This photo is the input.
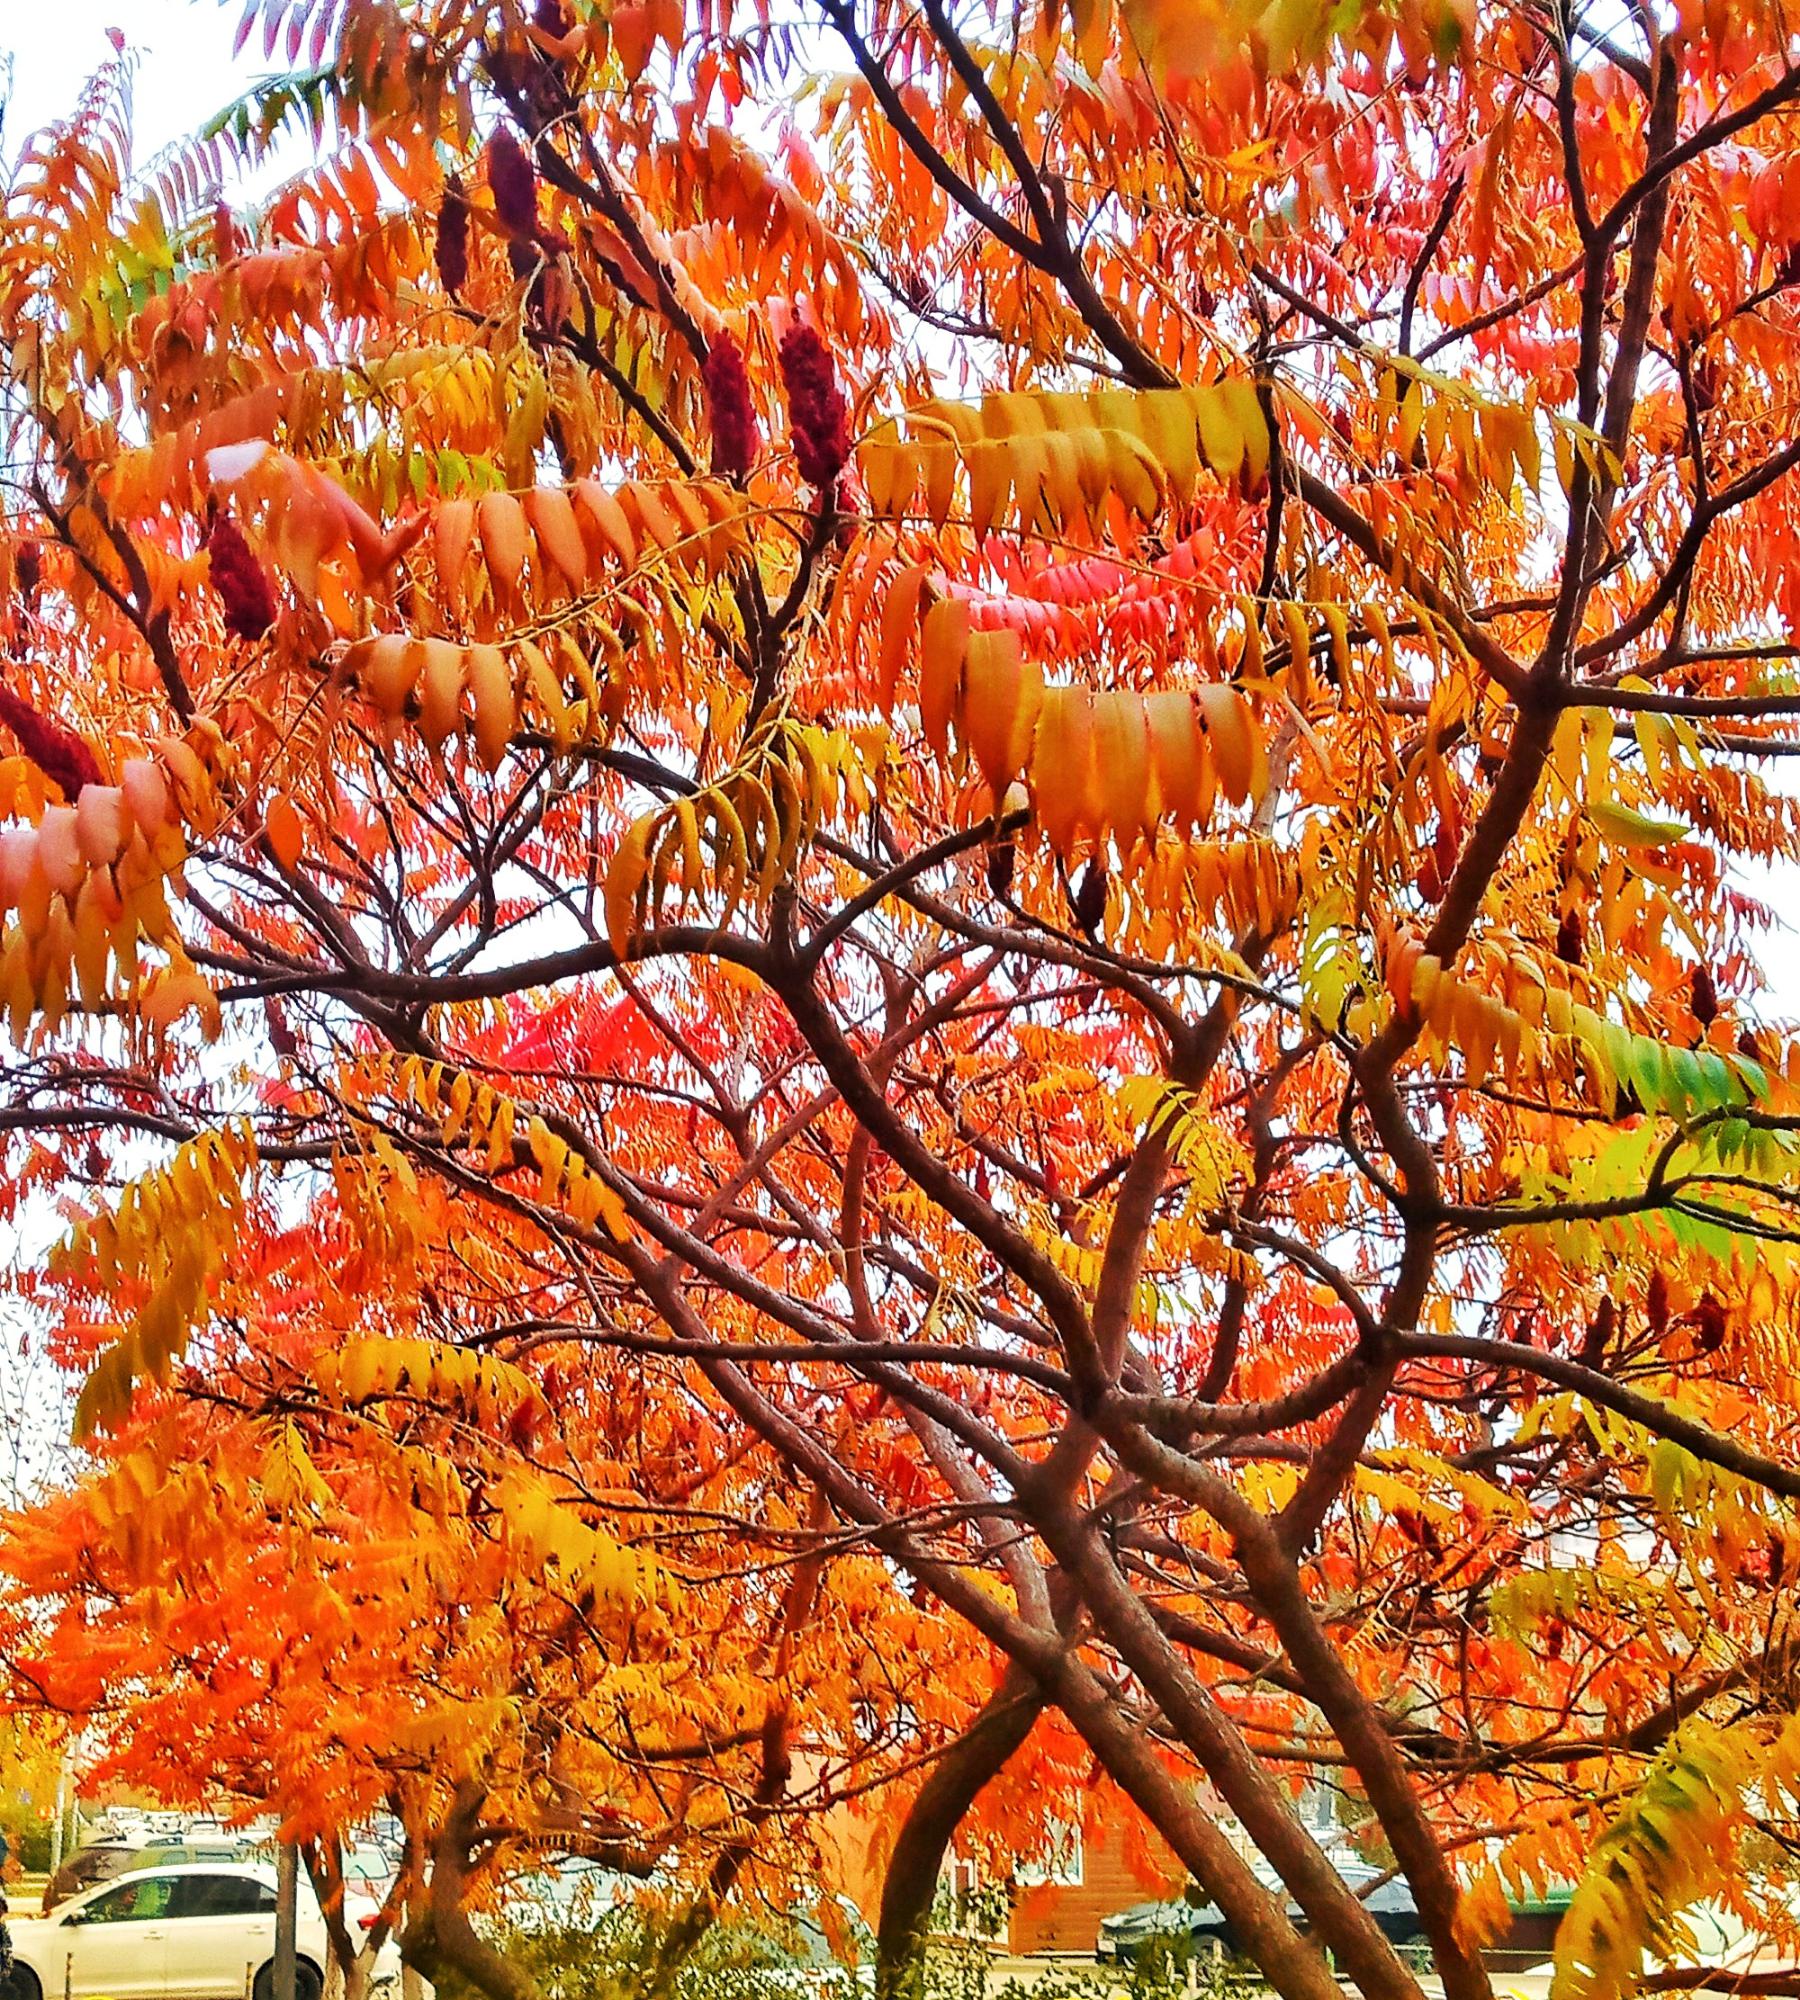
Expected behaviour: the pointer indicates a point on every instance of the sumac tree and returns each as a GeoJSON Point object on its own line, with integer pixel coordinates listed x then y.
{"type": "Point", "coordinates": [986, 772]}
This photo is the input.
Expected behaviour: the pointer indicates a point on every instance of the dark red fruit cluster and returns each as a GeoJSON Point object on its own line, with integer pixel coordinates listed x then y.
{"type": "Point", "coordinates": [734, 433]}
{"type": "Point", "coordinates": [58, 752]}
{"type": "Point", "coordinates": [513, 180]}
{"type": "Point", "coordinates": [1571, 938]}
{"type": "Point", "coordinates": [452, 247]}
{"type": "Point", "coordinates": [239, 579]}
{"type": "Point", "coordinates": [821, 423]}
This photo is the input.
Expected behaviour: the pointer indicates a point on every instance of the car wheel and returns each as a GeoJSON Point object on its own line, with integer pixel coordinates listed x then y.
{"type": "Point", "coordinates": [21, 1983]}
{"type": "Point", "coordinates": [309, 1982]}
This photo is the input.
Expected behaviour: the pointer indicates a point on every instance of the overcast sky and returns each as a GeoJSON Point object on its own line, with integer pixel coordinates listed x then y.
{"type": "Point", "coordinates": [186, 72]}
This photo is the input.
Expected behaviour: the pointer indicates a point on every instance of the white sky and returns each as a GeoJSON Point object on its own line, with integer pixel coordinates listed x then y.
{"type": "Point", "coordinates": [186, 71]}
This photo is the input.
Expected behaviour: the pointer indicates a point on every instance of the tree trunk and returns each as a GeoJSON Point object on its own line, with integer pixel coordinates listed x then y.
{"type": "Point", "coordinates": [348, 1981]}
{"type": "Point", "coordinates": [1338, 1918]}
{"type": "Point", "coordinates": [439, 1940]}
{"type": "Point", "coordinates": [325, 1870]}
{"type": "Point", "coordinates": [956, 1781]}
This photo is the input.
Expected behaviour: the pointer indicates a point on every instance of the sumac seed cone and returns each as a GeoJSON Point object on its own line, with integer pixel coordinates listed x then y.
{"type": "Point", "coordinates": [452, 247]}
{"type": "Point", "coordinates": [239, 579]}
{"type": "Point", "coordinates": [1704, 997]}
{"type": "Point", "coordinates": [816, 410]}
{"type": "Point", "coordinates": [28, 570]}
{"type": "Point", "coordinates": [728, 408]}
{"type": "Point", "coordinates": [59, 753]}
{"type": "Point", "coordinates": [513, 181]}
{"type": "Point", "coordinates": [1090, 899]}
{"type": "Point", "coordinates": [1570, 938]}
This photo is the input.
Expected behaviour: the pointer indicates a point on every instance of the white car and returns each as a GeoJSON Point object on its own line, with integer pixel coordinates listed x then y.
{"type": "Point", "coordinates": [189, 1933]}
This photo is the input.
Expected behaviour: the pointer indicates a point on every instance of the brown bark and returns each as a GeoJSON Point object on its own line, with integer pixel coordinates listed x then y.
{"type": "Point", "coordinates": [1339, 1919]}
{"type": "Point", "coordinates": [943, 1802]}
{"type": "Point", "coordinates": [1279, 1593]}
{"type": "Point", "coordinates": [686, 1931]}
{"type": "Point", "coordinates": [1293, 1965]}
{"type": "Point", "coordinates": [439, 1940]}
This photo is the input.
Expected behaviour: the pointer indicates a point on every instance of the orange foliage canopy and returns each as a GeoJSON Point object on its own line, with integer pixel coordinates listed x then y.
{"type": "Point", "coordinates": [878, 872]}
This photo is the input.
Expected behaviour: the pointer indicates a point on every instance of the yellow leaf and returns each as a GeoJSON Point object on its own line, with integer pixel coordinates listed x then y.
{"type": "Point", "coordinates": [624, 877]}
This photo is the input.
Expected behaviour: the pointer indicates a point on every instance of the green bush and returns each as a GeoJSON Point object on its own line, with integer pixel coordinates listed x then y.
{"type": "Point", "coordinates": [734, 1961]}
{"type": "Point", "coordinates": [739, 1961]}
{"type": "Point", "coordinates": [1159, 1972]}
{"type": "Point", "coordinates": [28, 1837]}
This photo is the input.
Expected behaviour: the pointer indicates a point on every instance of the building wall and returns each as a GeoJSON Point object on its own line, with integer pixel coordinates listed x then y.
{"type": "Point", "coordinates": [1120, 1866]}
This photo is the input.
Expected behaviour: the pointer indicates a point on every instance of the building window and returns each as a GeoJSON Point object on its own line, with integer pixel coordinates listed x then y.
{"type": "Point", "coordinates": [1058, 1863]}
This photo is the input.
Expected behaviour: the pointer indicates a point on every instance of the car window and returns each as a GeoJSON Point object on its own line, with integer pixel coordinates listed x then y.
{"type": "Point", "coordinates": [136, 1902]}
{"type": "Point", "coordinates": [222, 1896]}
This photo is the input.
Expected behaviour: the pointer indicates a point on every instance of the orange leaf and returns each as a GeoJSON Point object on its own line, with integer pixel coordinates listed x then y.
{"type": "Point", "coordinates": [552, 517]}
{"type": "Point", "coordinates": [1179, 758]}
{"type": "Point", "coordinates": [1063, 780]}
{"type": "Point", "coordinates": [388, 669]}
{"type": "Point", "coordinates": [1002, 693]}
{"type": "Point", "coordinates": [1236, 743]}
{"type": "Point", "coordinates": [899, 621]}
{"type": "Point", "coordinates": [490, 684]}
{"type": "Point", "coordinates": [451, 533]}
{"type": "Point", "coordinates": [283, 830]}
{"type": "Point", "coordinates": [613, 533]}
{"type": "Point", "coordinates": [503, 542]}
{"type": "Point", "coordinates": [1122, 764]}
{"type": "Point", "coordinates": [944, 646]}
{"type": "Point", "coordinates": [649, 511]}
{"type": "Point", "coordinates": [443, 669]}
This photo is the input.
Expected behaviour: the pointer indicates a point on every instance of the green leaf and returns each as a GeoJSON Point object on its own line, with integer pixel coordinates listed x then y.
{"type": "Point", "coordinates": [1625, 826]}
